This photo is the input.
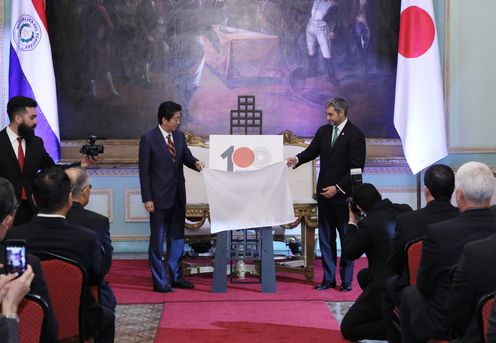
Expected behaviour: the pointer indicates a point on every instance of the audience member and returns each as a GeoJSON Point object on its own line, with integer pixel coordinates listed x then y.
{"type": "Point", "coordinates": [78, 215]}
{"type": "Point", "coordinates": [12, 291]}
{"type": "Point", "coordinates": [8, 204]}
{"type": "Point", "coordinates": [370, 235]}
{"type": "Point", "coordinates": [423, 314]}
{"type": "Point", "coordinates": [50, 231]}
{"type": "Point", "coordinates": [23, 154]}
{"type": "Point", "coordinates": [439, 183]}
{"type": "Point", "coordinates": [474, 276]}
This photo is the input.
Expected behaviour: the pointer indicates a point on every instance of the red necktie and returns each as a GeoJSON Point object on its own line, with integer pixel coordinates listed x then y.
{"type": "Point", "coordinates": [20, 157]}
{"type": "Point", "coordinates": [170, 145]}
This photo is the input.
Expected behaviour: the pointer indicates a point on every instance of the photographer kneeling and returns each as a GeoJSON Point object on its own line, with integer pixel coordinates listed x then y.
{"type": "Point", "coordinates": [372, 221]}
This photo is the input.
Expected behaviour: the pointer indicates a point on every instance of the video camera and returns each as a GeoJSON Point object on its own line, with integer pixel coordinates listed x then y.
{"type": "Point", "coordinates": [356, 179]}
{"type": "Point", "coordinates": [92, 149]}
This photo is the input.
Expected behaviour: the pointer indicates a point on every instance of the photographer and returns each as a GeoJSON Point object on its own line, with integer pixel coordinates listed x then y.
{"type": "Point", "coordinates": [370, 229]}
{"type": "Point", "coordinates": [23, 154]}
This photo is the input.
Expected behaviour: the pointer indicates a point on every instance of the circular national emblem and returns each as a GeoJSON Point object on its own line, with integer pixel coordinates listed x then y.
{"type": "Point", "coordinates": [27, 33]}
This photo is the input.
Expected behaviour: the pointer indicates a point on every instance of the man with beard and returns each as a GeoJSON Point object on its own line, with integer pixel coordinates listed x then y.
{"type": "Point", "coordinates": [23, 154]}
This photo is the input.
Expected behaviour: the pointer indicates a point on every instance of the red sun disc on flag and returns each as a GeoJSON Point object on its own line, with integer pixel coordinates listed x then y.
{"type": "Point", "coordinates": [417, 32]}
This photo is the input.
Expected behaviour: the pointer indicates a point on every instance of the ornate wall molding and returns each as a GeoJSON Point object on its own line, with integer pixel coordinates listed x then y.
{"type": "Point", "coordinates": [101, 201]}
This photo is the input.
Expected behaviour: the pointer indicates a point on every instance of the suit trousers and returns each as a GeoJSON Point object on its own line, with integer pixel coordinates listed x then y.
{"type": "Point", "coordinates": [169, 223]}
{"type": "Point", "coordinates": [332, 217]}
{"type": "Point", "coordinates": [419, 320]}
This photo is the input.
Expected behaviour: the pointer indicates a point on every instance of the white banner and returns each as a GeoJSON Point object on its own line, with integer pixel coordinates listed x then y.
{"type": "Point", "coordinates": [250, 199]}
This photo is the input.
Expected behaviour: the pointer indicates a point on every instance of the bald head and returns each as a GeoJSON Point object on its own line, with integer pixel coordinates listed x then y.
{"type": "Point", "coordinates": [79, 184]}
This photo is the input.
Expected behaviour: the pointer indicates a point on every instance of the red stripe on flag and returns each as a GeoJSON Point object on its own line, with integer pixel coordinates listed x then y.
{"type": "Point", "coordinates": [39, 6]}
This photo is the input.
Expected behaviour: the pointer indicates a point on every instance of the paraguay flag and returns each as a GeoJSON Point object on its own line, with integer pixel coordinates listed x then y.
{"type": "Point", "coordinates": [31, 68]}
{"type": "Point", "coordinates": [419, 106]}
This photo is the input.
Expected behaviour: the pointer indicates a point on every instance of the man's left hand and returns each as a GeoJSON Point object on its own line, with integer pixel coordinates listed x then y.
{"type": "Point", "coordinates": [329, 192]}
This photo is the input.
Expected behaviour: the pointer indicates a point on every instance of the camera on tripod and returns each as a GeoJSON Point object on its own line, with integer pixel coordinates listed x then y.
{"type": "Point", "coordinates": [92, 149]}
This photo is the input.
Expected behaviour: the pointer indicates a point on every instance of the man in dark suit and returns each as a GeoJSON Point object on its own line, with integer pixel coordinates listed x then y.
{"type": "Point", "coordinates": [473, 278]}
{"type": "Point", "coordinates": [78, 215]}
{"type": "Point", "coordinates": [370, 235]}
{"type": "Point", "coordinates": [162, 154]}
{"type": "Point", "coordinates": [423, 313]}
{"type": "Point", "coordinates": [23, 154]}
{"type": "Point", "coordinates": [341, 147]}
{"type": "Point", "coordinates": [50, 231]}
{"type": "Point", "coordinates": [8, 204]}
{"type": "Point", "coordinates": [439, 183]}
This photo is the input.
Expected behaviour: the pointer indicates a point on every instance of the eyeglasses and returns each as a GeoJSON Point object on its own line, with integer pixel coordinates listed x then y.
{"type": "Point", "coordinates": [89, 185]}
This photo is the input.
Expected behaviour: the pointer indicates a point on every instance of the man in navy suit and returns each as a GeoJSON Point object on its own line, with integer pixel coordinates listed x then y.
{"type": "Point", "coordinates": [341, 147]}
{"type": "Point", "coordinates": [162, 154]}
{"type": "Point", "coordinates": [18, 139]}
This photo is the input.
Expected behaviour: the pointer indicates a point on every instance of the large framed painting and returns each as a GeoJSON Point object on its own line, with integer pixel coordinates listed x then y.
{"type": "Point", "coordinates": [117, 60]}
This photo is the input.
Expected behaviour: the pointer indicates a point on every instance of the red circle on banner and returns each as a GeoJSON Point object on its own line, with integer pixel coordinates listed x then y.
{"type": "Point", "coordinates": [243, 157]}
{"type": "Point", "coordinates": [417, 32]}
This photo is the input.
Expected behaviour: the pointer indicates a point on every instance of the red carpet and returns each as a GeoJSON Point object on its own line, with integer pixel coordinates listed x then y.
{"type": "Point", "coordinates": [131, 282]}
{"type": "Point", "coordinates": [295, 313]}
{"type": "Point", "coordinates": [255, 321]}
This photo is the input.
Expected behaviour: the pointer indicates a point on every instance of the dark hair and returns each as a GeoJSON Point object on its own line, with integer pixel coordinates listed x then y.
{"type": "Point", "coordinates": [8, 200]}
{"type": "Point", "coordinates": [167, 109]}
{"type": "Point", "coordinates": [339, 104]}
{"type": "Point", "coordinates": [366, 196]}
{"type": "Point", "coordinates": [18, 104]}
{"type": "Point", "coordinates": [440, 180]}
{"type": "Point", "coordinates": [51, 189]}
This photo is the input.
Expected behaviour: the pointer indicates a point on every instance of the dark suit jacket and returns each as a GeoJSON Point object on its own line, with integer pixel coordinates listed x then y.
{"type": "Point", "coordinates": [36, 158]}
{"type": "Point", "coordinates": [474, 277]}
{"type": "Point", "coordinates": [373, 237]}
{"type": "Point", "coordinates": [97, 223]}
{"type": "Point", "coordinates": [335, 163]}
{"type": "Point", "coordinates": [443, 247]}
{"type": "Point", "coordinates": [57, 236]}
{"type": "Point", "coordinates": [413, 225]}
{"type": "Point", "coordinates": [162, 179]}
{"type": "Point", "coordinates": [39, 287]}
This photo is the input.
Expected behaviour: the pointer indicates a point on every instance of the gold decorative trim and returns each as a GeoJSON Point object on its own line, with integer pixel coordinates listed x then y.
{"type": "Point", "coordinates": [289, 138]}
{"type": "Point", "coordinates": [195, 140]}
{"type": "Point", "coordinates": [381, 152]}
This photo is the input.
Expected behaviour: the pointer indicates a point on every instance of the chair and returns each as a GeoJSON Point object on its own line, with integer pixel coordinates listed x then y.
{"type": "Point", "coordinates": [483, 312]}
{"type": "Point", "coordinates": [67, 285]}
{"type": "Point", "coordinates": [32, 313]}
{"type": "Point", "coordinates": [413, 251]}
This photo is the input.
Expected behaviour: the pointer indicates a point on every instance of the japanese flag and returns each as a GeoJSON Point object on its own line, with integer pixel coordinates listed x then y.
{"type": "Point", "coordinates": [419, 106]}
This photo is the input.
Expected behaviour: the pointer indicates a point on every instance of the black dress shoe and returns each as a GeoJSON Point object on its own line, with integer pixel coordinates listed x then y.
{"type": "Point", "coordinates": [181, 283]}
{"type": "Point", "coordinates": [160, 289]}
{"type": "Point", "coordinates": [345, 287]}
{"type": "Point", "coordinates": [326, 285]}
